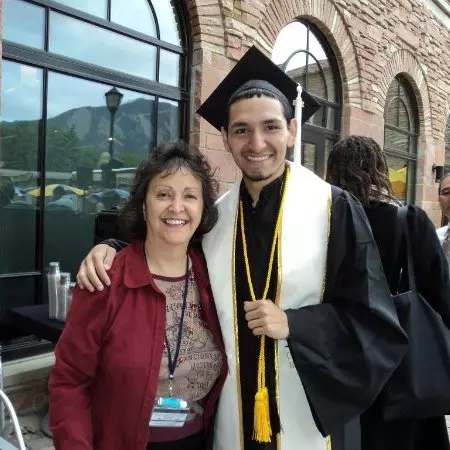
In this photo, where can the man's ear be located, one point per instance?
(292, 129)
(225, 138)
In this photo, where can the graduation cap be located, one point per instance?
(256, 70)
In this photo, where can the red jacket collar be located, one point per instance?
(136, 273)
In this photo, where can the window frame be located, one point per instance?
(410, 157)
(47, 61)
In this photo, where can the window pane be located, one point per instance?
(447, 143)
(23, 23)
(101, 47)
(309, 155)
(292, 37)
(134, 14)
(316, 80)
(401, 175)
(169, 68)
(168, 121)
(167, 21)
(94, 7)
(82, 178)
(395, 140)
(296, 68)
(21, 105)
(328, 146)
(397, 115)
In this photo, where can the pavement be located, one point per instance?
(36, 440)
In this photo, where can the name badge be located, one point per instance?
(169, 412)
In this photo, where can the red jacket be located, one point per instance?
(103, 384)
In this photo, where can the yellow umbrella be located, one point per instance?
(49, 189)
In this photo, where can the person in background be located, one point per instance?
(444, 202)
(152, 337)
(358, 165)
(296, 280)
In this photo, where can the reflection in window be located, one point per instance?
(400, 137)
(168, 121)
(101, 47)
(23, 23)
(305, 58)
(86, 172)
(134, 14)
(21, 105)
(94, 7)
(167, 21)
(169, 68)
(447, 146)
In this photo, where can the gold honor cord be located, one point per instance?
(262, 430)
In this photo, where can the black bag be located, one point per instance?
(420, 387)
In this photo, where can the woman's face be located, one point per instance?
(444, 197)
(174, 207)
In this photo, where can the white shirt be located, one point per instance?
(441, 233)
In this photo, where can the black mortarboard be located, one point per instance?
(254, 70)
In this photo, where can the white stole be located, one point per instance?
(304, 240)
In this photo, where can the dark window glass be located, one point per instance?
(447, 145)
(400, 137)
(166, 16)
(23, 23)
(169, 68)
(101, 47)
(88, 169)
(19, 175)
(134, 14)
(94, 7)
(168, 121)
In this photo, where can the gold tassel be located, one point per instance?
(262, 431)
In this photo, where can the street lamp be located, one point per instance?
(113, 99)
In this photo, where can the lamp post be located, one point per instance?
(113, 99)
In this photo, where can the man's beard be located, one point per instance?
(256, 176)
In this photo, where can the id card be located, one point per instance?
(169, 412)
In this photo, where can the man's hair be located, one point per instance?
(447, 175)
(258, 92)
(167, 159)
(357, 164)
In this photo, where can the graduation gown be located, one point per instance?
(345, 339)
(431, 271)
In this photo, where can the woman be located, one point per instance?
(151, 340)
(358, 165)
(444, 202)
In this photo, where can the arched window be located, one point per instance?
(447, 146)
(401, 130)
(304, 54)
(89, 87)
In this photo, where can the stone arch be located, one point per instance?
(403, 62)
(327, 18)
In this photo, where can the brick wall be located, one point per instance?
(373, 41)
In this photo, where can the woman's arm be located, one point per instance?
(77, 356)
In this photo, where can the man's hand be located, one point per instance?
(93, 268)
(264, 317)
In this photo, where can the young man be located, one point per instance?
(321, 338)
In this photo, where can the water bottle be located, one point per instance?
(63, 292)
(53, 277)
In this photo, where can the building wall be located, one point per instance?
(373, 41)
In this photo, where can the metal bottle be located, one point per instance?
(63, 292)
(53, 277)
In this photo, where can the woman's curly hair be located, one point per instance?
(168, 158)
(358, 165)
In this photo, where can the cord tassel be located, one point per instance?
(262, 431)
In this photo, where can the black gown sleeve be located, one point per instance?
(346, 347)
(430, 263)
(116, 244)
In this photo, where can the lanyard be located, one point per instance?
(173, 362)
